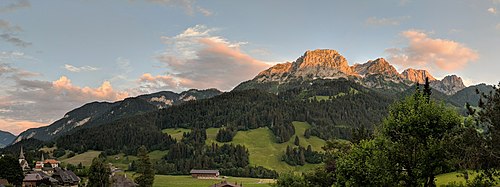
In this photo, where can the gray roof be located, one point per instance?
(65, 176)
(204, 171)
(33, 177)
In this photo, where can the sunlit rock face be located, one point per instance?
(377, 66)
(320, 63)
(330, 64)
(417, 76)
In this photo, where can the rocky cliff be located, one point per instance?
(378, 66)
(330, 64)
(418, 76)
(449, 85)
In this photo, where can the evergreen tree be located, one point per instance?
(144, 168)
(11, 170)
(99, 173)
(297, 141)
(427, 89)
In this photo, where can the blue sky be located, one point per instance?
(56, 55)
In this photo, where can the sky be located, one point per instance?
(56, 55)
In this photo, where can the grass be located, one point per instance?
(456, 177)
(122, 161)
(211, 135)
(188, 181)
(352, 91)
(176, 133)
(264, 151)
(84, 158)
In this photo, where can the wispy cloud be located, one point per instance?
(431, 53)
(72, 68)
(15, 5)
(8, 27)
(196, 58)
(14, 40)
(385, 21)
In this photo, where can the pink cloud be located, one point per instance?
(34, 103)
(197, 59)
(18, 126)
(431, 53)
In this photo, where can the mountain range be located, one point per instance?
(98, 113)
(321, 74)
(329, 64)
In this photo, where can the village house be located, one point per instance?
(47, 172)
(32, 180)
(66, 177)
(205, 174)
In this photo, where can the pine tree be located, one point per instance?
(427, 89)
(99, 173)
(297, 141)
(144, 169)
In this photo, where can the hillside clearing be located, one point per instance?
(176, 133)
(84, 158)
(264, 151)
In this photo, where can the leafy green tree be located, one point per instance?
(416, 130)
(99, 173)
(144, 168)
(290, 180)
(409, 148)
(319, 177)
(367, 164)
(11, 170)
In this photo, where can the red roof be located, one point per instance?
(51, 161)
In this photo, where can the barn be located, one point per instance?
(204, 174)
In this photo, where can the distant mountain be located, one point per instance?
(98, 113)
(6, 138)
(449, 85)
(329, 64)
(470, 94)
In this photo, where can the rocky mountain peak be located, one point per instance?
(418, 76)
(450, 84)
(377, 66)
(322, 59)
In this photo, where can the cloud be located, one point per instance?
(18, 126)
(72, 68)
(189, 6)
(497, 27)
(17, 4)
(492, 10)
(205, 11)
(196, 58)
(385, 21)
(6, 70)
(431, 53)
(6, 26)
(14, 40)
(42, 102)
